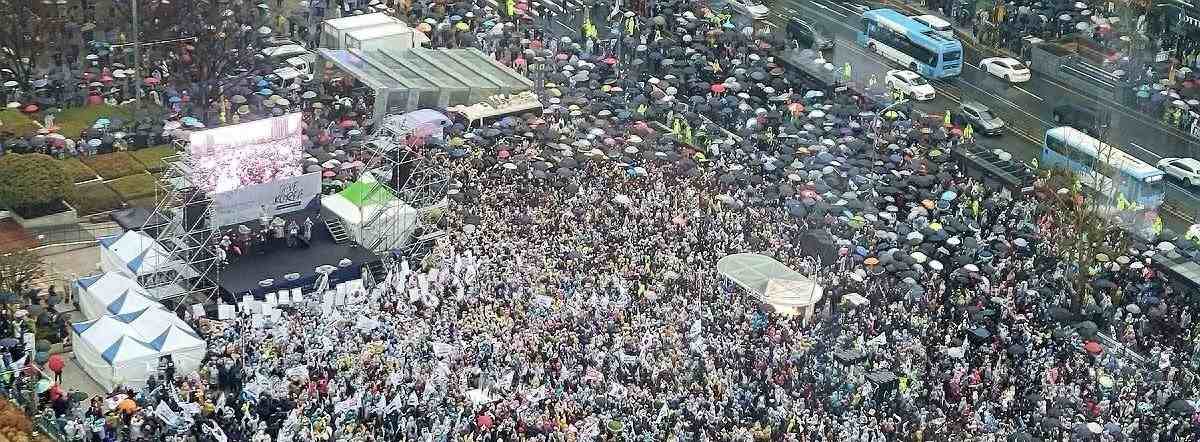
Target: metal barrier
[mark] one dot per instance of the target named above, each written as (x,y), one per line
(1070,69)
(63,236)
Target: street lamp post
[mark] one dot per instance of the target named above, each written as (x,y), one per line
(877,126)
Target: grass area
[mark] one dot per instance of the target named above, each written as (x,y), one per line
(134,187)
(114,165)
(17,122)
(74,120)
(78,171)
(94,198)
(152,157)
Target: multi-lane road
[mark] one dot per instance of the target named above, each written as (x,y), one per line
(1025,107)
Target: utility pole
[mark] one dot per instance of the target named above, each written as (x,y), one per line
(137,52)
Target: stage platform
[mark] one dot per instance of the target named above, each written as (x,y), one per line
(243,273)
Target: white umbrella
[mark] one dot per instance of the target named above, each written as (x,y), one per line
(816,114)
(971,268)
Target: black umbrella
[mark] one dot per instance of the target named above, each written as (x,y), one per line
(1087,328)
(1181,407)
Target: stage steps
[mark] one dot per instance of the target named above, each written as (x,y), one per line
(378,270)
(337,230)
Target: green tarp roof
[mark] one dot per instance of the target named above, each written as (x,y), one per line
(360,194)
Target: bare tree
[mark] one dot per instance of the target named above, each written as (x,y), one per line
(157,19)
(197,42)
(25,33)
(225,46)
(18,270)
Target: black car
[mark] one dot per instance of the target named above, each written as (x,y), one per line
(980,118)
(1080,117)
(808,36)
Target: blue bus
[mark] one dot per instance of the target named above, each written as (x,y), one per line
(911,43)
(1139,183)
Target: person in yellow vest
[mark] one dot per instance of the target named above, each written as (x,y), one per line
(1122,203)
(946,118)
(630,24)
(1158,225)
(968,133)
(846,71)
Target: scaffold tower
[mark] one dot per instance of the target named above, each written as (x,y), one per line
(407,182)
(180,224)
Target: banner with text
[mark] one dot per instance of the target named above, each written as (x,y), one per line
(267,199)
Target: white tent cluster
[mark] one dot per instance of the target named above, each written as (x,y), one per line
(128,330)
(125,349)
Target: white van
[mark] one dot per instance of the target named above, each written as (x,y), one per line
(936,23)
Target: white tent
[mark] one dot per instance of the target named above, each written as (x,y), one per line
(359,204)
(109,353)
(111,294)
(137,255)
(124,349)
(772,282)
(163,331)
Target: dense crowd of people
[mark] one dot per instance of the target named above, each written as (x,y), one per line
(576,295)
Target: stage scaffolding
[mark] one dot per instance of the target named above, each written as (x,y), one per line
(399,167)
(180,224)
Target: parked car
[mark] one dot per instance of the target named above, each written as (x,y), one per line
(1007,68)
(808,36)
(910,84)
(277,54)
(1186,170)
(980,118)
(750,8)
(1080,117)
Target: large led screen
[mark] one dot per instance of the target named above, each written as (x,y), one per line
(242,155)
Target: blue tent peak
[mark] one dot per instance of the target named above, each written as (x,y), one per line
(115,306)
(131,316)
(87,281)
(111,351)
(83,326)
(157,343)
(108,241)
(136,263)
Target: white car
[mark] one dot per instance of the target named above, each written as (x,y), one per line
(1007,68)
(910,84)
(1186,170)
(750,8)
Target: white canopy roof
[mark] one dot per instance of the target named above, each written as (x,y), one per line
(111,294)
(162,330)
(133,253)
(113,340)
(771,281)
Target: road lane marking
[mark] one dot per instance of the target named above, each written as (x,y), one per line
(1008,102)
(827,8)
(1122,109)
(1028,93)
(1152,154)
